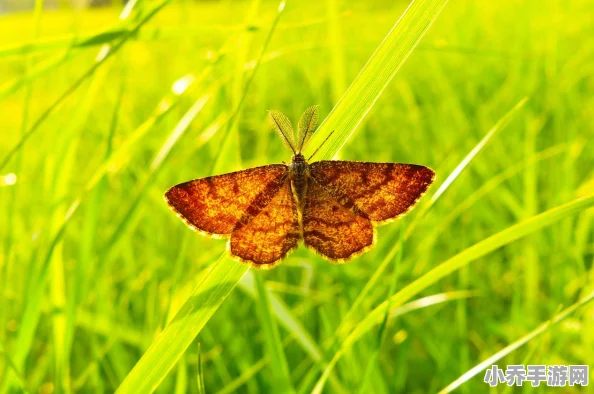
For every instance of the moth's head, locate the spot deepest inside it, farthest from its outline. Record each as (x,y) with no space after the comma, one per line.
(298,158)
(305,128)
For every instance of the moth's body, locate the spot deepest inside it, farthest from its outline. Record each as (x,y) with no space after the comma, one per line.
(299,175)
(329,205)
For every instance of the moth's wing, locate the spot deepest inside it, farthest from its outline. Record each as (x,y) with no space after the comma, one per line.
(378,191)
(331,229)
(271,234)
(215,205)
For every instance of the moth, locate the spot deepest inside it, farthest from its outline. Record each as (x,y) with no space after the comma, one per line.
(331,205)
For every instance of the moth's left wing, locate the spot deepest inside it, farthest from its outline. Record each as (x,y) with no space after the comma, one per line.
(377,191)
(218,204)
(271,234)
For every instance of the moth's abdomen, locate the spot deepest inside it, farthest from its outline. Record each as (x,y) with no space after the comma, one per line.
(299,185)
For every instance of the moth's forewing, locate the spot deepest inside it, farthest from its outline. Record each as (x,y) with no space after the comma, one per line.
(215,205)
(379,191)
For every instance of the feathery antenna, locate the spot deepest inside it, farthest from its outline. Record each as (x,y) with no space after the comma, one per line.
(306,126)
(283,127)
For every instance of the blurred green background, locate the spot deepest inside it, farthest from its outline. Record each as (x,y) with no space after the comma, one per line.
(93,264)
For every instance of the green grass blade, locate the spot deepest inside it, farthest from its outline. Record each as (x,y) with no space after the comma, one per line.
(174,137)
(34,73)
(90,71)
(460,167)
(231,133)
(337,49)
(285,317)
(280,368)
(171,344)
(348,319)
(16,375)
(290,322)
(200,378)
(197,310)
(516,345)
(387,308)
(494,242)
(472,253)
(371,365)
(9,239)
(489,187)
(32,310)
(109,36)
(391,54)
(245,377)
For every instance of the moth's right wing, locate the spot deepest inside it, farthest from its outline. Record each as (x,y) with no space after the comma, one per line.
(218,204)
(378,191)
(331,229)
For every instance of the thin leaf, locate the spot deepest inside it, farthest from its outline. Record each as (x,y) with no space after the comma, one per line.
(200,377)
(377,316)
(467,256)
(171,344)
(460,167)
(231,133)
(391,54)
(244,377)
(177,336)
(90,71)
(280,367)
(515,345)
(348,319)
(371,365)
(285,317)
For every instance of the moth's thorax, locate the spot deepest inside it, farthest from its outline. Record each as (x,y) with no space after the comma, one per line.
(299,174)
(298,166)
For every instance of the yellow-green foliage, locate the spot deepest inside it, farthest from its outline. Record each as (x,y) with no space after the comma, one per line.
(94,266)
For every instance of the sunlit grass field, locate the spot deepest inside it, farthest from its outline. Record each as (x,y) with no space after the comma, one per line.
(102,110)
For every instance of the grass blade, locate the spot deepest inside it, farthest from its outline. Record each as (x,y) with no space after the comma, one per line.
(290,322)
(348,319)
(90,71)
(166,350)
(465,257)
(32,310)
(171,344)
(516,345)
(280,368)
(285,317)
(387,309)
(494,242)
(391,54)
(460,167)
(371,365)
